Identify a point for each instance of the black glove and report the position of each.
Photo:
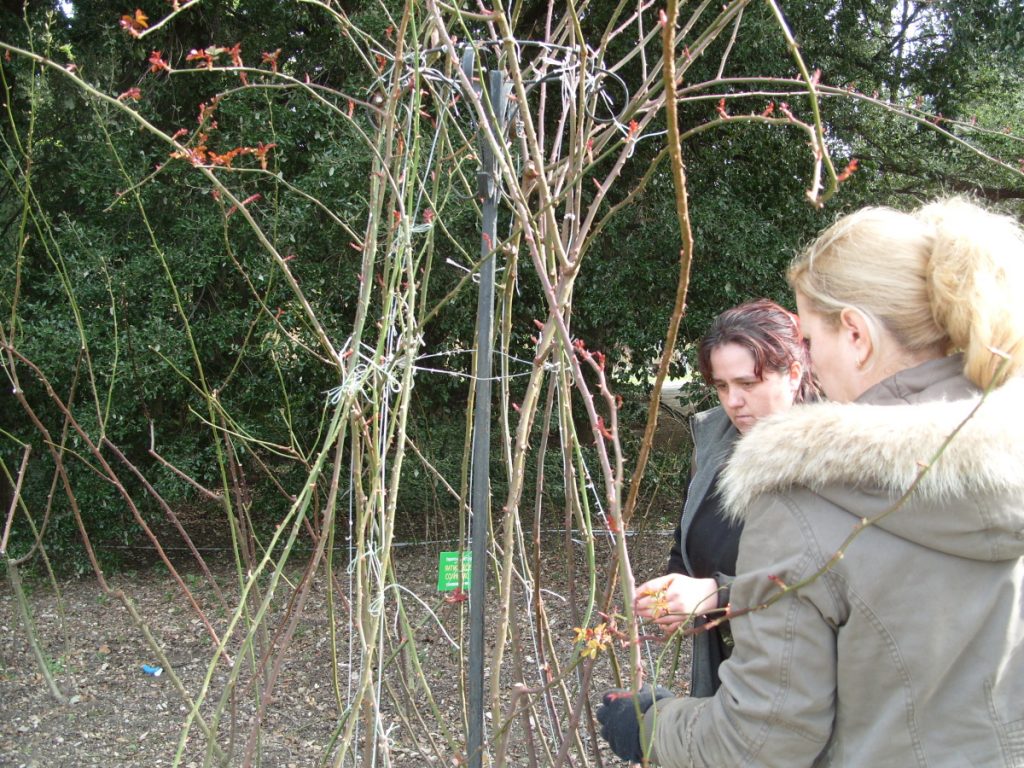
(620, 726)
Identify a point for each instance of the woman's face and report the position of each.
(833, 358)
(745, 396)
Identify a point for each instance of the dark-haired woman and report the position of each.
(754, 357)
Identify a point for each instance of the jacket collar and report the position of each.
(869, 453)
(932, 380)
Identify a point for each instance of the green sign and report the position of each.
(450, 575)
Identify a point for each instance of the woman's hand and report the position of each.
(672, 600)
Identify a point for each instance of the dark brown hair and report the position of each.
(772, 336)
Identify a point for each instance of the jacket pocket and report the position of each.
(1006, 706)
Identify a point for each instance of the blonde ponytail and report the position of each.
(976, 279)
(948, 277)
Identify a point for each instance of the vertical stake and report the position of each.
(487, 189)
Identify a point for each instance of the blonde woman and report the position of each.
(908, 649)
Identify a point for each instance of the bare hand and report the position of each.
(674, 599)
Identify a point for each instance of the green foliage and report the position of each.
(147, 304)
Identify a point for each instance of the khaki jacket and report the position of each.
(908, 650)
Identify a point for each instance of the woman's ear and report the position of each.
(858, 333)
(796, 375)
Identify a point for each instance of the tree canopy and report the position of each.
(116, 246)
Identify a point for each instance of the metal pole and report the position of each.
(495, 96)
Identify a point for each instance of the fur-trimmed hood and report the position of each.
(863, 456)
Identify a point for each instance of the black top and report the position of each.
(712, 542)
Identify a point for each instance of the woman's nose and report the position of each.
(735, 397)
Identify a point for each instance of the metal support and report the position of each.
(495, 97)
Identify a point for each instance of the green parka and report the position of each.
(908, 650)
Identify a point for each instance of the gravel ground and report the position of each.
(114, 714)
